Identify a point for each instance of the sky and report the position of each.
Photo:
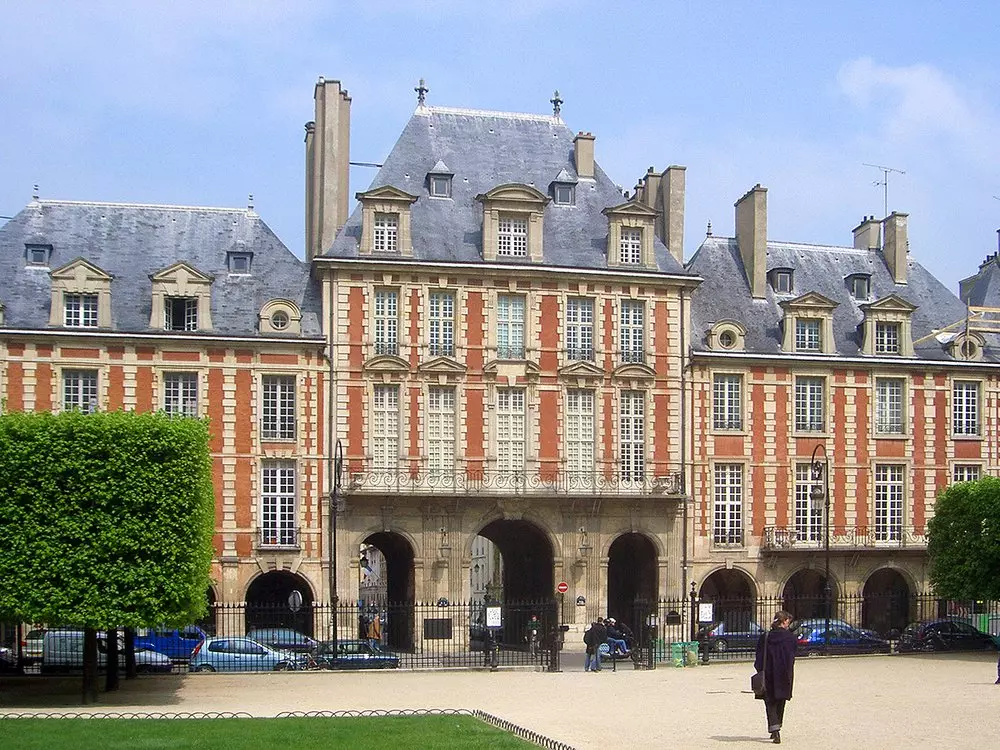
(195, 102)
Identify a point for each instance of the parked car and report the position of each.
(239, 655)
(8, 660)
(820, 622)
(283, 639)
(62, 651)
(31, 646)
(177, 643)
(839, 639)
(354, 654)
(719, 637)
(944, 635)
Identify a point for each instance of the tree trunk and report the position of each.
(89, 666)
(111, 677)
(129, 653)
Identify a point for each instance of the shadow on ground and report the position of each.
(34, 692)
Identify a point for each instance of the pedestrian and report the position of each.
(375, 631)
(779, 645)
(596, 635)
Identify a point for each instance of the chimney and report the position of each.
(327, 166)
(751, 238)
(895, 245)
(583, 155)
(650, 190)
(867, 234)
(671, 210)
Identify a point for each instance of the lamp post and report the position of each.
(821, 470)
(336, 472)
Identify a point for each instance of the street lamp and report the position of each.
(821, 470)
(336, 472)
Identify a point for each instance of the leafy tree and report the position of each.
(964, 541)
(106, 519)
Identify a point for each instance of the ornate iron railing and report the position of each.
(478, 481)
(276, 536)
(890, 536)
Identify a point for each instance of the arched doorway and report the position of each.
(732, 595)
(886, 605)
(804, 595)
(632, 579)
(280, 599)
(396, 610)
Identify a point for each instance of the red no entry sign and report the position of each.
(562, 587)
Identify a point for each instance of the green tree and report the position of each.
(106, 519)
(964, 541)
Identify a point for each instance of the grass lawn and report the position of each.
(239, 734)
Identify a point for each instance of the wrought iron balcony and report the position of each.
(888, 536)
(476, 481)
(580, 354)
(510, 351)
(277, 537)
(386, 347)
(631, 357)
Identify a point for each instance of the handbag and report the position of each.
(757, 680)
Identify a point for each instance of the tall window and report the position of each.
(80, 310)
(579, 436)
(510, 327)
(808, 512)
(633, 332)
(580, 329)
(632, 436)
(512, 236)
(386, 321)
(385, 427)
(966, 473)
(886, 337)
(727, 511)
(965, 408)
(386, 234)
(277, 504)
(511, 431)
(808, 335)
(630, 246)
(809, 398)
(180, 394)
(442, 324)
(180, 314)
(889, 406)
(80, 390)
(888, 503)
(278, 408)
(441, 430)
(727, 402)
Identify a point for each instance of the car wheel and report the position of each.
(203, 668)
(812, 652)
(721, 645)
(282, 666)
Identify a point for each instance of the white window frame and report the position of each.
(510, 326)
(890, 492)
(966, 473)
(80, 390)
(180, 394)
(386, 312)
(512, 236)
(278, 517)
(278, 407)
(965, 411)
(441, 415)
(727, 401)
(580, 437)
(632, 436)
(385, 232)
(511, 433)
(890, 406)
(887, 336)
(632, 331)
(439, 186)
(808, 335)
(630, 246)
(809, 513)
(190, 314)
(810, 403)
(727, 505)
(80, 310)
(441, 323)
(385, 428)
(580, 329)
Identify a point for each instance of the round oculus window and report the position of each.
(279, 320)
(727, 339)
(968, 349)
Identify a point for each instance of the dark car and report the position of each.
(944, 635)
(839, 639)
(720, 637)
(353, 654)
(821, 622)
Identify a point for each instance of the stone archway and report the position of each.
(280, 599)
(804, 595)
(396, 610)
(886, 605)
(733, 596)
(632, 579)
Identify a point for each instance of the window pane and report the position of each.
(278, 407)
(727, 516)
(632, 436)
(180, 394)
(277, 513)
(727, 402)
(386, 322)
(385, 427)
(580, 329)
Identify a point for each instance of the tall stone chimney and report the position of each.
(751, 238)
(868, 233)
(895, 245)
(672, 210)
(327, 166)
(583, 154)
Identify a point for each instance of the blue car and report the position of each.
(282, 639)
(177, 643)
(240, 655)
(840, 639)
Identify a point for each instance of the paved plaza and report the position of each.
(932, 701)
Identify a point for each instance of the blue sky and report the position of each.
(201, 103)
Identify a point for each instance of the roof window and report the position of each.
(37, 255)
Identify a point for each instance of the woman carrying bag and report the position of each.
(776, 663)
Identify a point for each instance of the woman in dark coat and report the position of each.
(779, 671)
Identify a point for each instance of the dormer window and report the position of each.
(808, 324)
(887, 335)
(630, 247)
(80, 310)
(385, 238)
(239, 263)
(630, 235)
(180, 314)
(808, 335)
(385, 221)
(859, 286)
(565, 195)
(37, 255)
(440, 186)
(886, 329)
(513, 222)
(512, 236)
(781, 280)
(80, 296)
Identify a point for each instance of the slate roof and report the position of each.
(725, 294)
(485, 150)
(983, 288)
(132, 241)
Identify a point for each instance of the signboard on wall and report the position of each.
(494, 618)
(706, 612)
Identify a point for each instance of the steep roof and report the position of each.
(485, 150)
(983, 288)
(132, 241)
(824, 269)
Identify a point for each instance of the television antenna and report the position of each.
(884, 182)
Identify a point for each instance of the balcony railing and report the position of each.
(277, 537)
(580, 354)
(509, 351)
(889, 536)
(476, 481)
(277, 429)
(386, 347)
(631, 357)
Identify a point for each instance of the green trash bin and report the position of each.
(677, 653)
(691, 654)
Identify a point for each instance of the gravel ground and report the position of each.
(931, 701)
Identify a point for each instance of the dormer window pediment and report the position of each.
(439, 181)
(513, 217)
(886, 328)
(181, 299)
(808, 324)
(81, 296)
(563, 188)
(630, 235)
(385, 221)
